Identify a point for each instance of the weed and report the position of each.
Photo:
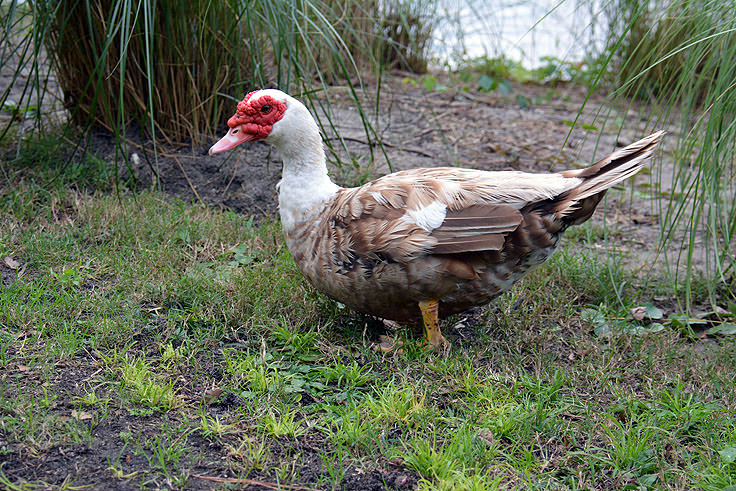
(281, 424)
(396, 404)
(211, 427)
(165, 452)
(348, 374)
(143, 385)
(430, 461)
(91, 399)
(252, 453)
(349, 426)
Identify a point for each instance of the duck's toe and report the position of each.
(388, 344)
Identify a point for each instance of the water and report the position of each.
(523, 31)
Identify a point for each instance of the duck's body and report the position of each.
(421, 242)
(383, 247)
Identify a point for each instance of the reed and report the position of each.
(172, 68)
(676, 58)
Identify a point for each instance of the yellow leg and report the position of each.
(430, 310)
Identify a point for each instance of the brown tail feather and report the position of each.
(577, 205)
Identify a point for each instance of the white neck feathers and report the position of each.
(305, 186)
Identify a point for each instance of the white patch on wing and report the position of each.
(428, 217)
(379, 198)
(519, 188)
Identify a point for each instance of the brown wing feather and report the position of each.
(374, 225)
(373, 215)
(578, 204)
(479, 227)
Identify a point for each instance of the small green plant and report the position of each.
(211, 427)
(165, 452)
(280, 424)
(144, 387)
(294, 342)
(351, 427)
(252, 453)
(263, 379)
(91, 399)
(334, 462)
(171, 356)
(70, 276)
(629, 447)
(396, 404)
(431, 462)
(348, 374)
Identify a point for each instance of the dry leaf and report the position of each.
(211, 395)
(639, 313)
(81, 415)
(488, 437)
(12, 263)
(23, 368)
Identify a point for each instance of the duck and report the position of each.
(421, 244)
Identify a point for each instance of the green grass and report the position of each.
(131, 308)
(673, 57)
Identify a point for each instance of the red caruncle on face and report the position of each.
(257, 116)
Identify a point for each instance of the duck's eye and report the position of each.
(234, 131)
(265, 109)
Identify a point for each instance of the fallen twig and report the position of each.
(385, 144)
(188, 181)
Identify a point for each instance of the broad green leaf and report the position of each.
(724, 329)
(429, 82)
(601, 327)
(653, 312)
(656, 327)
(648, 479)
(523, 101)
(505, 87)
(728, 454)
(487, 83)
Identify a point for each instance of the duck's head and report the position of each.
(266, 114)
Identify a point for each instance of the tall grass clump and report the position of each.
(406, 34)
(675, 58)
(176, 68)
(163, 63)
